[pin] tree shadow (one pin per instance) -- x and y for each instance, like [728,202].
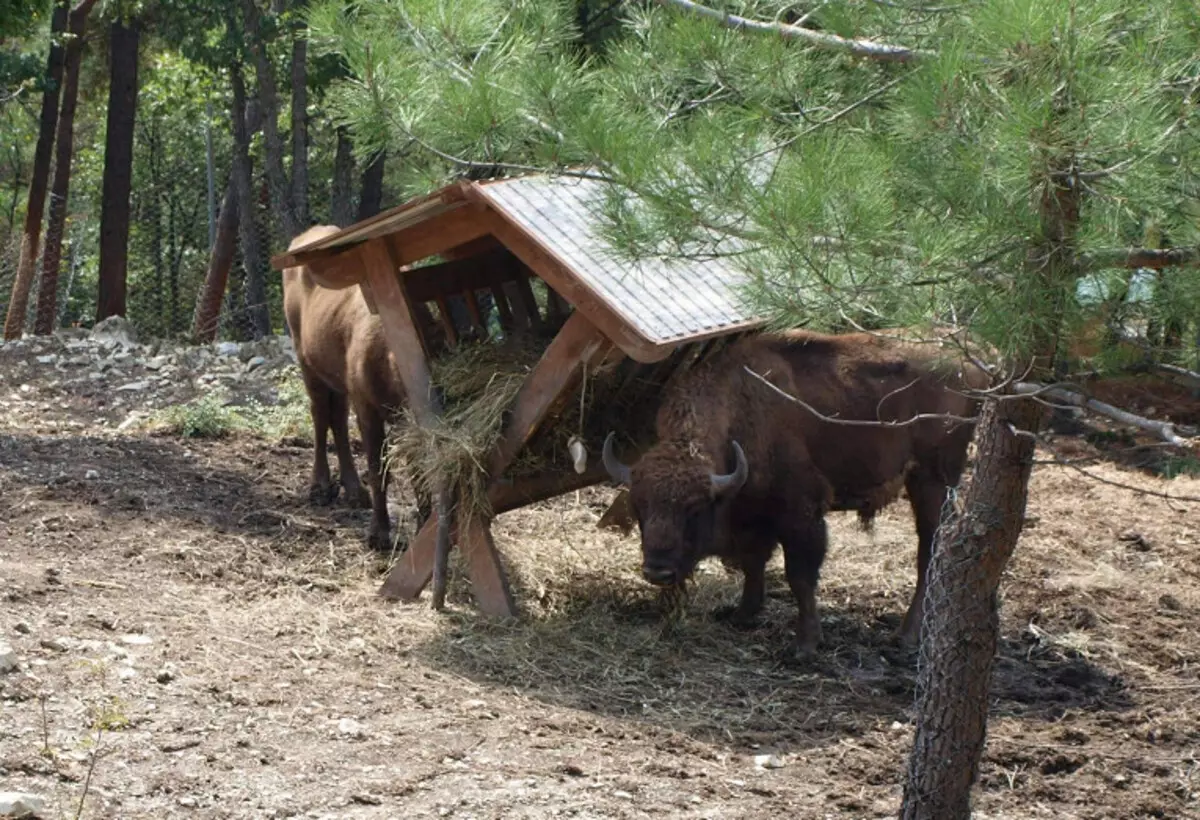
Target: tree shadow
[610,650]
[239,485]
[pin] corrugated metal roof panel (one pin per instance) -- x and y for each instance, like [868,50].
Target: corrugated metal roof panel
[667,301]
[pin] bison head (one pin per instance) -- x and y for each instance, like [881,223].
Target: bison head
[678,501]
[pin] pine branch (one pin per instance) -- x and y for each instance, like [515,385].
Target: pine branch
[1139,258]
[860,48]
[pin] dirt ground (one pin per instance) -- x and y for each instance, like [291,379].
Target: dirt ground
[196,641]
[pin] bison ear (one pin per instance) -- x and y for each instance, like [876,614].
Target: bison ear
[619,472]
[730,484]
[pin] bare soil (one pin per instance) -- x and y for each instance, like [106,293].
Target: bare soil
[196,641]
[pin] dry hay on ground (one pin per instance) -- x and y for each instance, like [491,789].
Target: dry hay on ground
[276,683]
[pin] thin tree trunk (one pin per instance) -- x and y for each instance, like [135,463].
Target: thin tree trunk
[256,296]
[281,194]
[370,198]
[979,531]
[14,322]
[210,174]
[118,169]
[60,187]
[341,206]
[208,305]
[300,120]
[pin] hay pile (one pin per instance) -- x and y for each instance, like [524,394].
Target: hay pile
[478,383]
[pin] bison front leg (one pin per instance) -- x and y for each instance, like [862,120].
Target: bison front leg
[804,545]
[339,421]
[321,490]
[370,423]
[754,552]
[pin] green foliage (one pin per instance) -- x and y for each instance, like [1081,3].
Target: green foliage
[206,417]
[214,415]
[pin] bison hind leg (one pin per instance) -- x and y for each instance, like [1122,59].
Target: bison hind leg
[322,493]
[866,520]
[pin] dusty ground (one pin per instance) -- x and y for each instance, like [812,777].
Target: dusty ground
[195,641]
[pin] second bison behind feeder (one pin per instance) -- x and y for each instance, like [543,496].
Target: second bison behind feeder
[345,362]
[739,468]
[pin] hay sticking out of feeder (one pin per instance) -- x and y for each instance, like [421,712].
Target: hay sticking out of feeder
[478,384]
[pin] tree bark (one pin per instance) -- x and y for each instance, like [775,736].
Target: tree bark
[118,169]
[243,180]
[268,95]
[370,198]
[979,531]
[300,121]
[14,322]
[60,187]
[208,305]
[341,205]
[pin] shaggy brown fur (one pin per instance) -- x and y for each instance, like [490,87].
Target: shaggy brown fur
[799,466]
[345,363]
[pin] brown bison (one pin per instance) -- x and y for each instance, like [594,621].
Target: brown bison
[345,363]
[738,468]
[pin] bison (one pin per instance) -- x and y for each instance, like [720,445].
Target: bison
[345,363]
[737,468]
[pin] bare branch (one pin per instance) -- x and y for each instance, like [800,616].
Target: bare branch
[863,422]
[820,39]
[1139,258]
[1187,499]
[1162,429]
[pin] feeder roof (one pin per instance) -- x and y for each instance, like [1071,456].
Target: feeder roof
[554,221]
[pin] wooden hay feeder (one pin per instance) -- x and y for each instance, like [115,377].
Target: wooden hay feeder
[646,321]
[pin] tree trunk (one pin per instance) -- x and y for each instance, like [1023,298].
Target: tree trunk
[370,198]
[208,306]
[60,187]
[252,259]
[14,322]
[281,195]
[118,169]
[341,206]
[300,121]
[961,631]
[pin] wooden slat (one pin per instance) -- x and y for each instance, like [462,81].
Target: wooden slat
[556,274]
[488,581]
[578,343]
[472,273]
[529,305]
[475,313]
[506,314]
[447,320]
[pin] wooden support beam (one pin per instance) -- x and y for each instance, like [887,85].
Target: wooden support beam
[578,343]
[484,270]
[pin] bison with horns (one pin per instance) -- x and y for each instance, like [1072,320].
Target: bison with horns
[739,468]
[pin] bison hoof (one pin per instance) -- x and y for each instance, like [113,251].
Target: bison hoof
[358,497]
[736,617]
[379,539]
[322,495]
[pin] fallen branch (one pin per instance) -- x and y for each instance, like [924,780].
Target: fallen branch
[1163,429]
[863,422]
[1139,258]
[821,39]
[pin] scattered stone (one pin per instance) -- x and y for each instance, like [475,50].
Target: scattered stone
[187,801]
[22,628]
[115,330]
[228,348]
[768,762]
[126,672]
[135,386]
[8,659]
[622,795]
[20,804]
[366,799]
[134,639]
[1135,539]
[48,359]
[255,363]
[1170,603]
[55,644]
[91,475]
[165,675]
[351,727]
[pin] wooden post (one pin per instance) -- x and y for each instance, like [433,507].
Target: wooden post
[579,343]
[404,340]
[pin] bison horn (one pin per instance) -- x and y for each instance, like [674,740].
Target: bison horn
[620,472]
[731,483]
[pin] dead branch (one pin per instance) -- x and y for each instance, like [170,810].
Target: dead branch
[1186,499]
[1139,258]
[820,39]
[1162,429]
[863,422]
